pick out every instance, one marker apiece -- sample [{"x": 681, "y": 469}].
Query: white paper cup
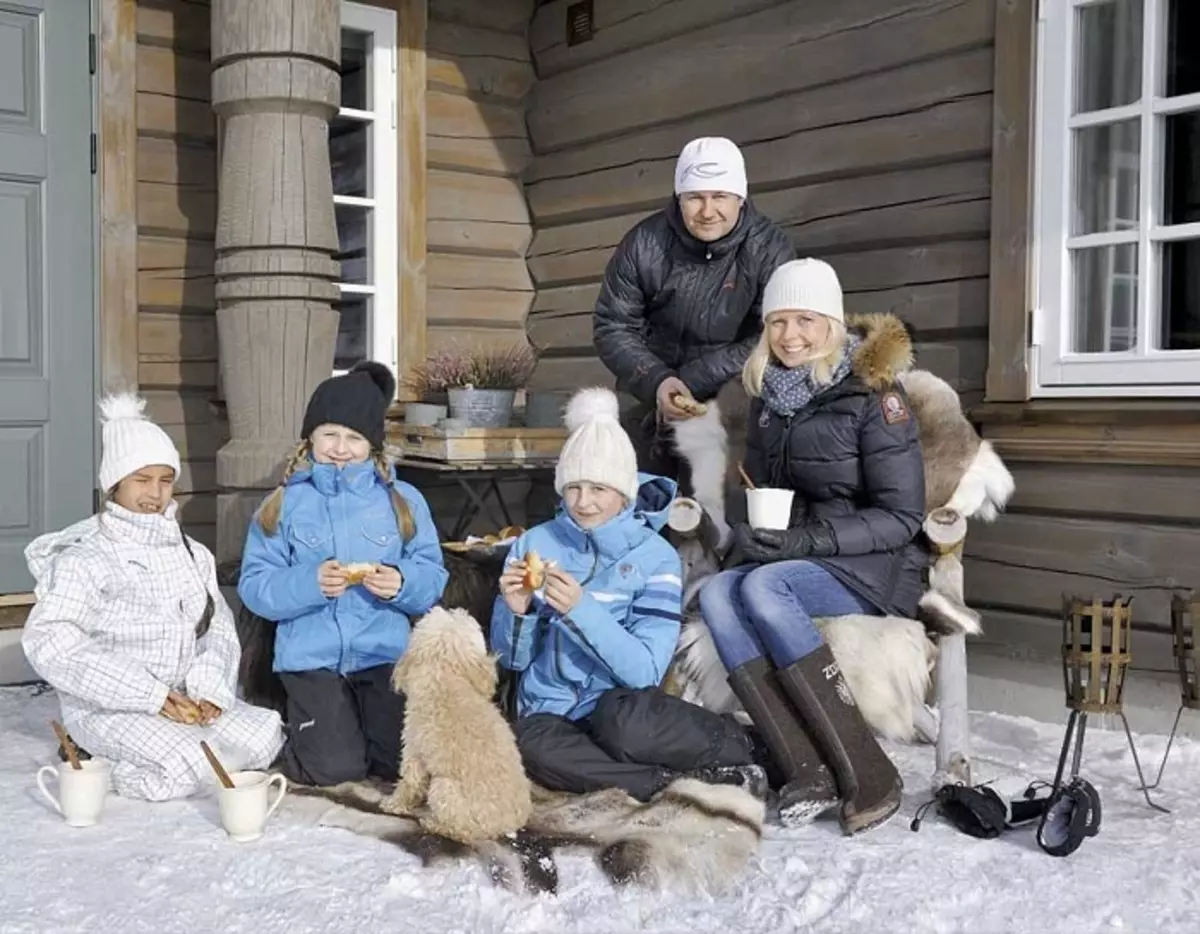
[
  {"x": 769, "y": 508},
  {"x": 81, "y": 792},
  {"x": 245, "y": 807}
]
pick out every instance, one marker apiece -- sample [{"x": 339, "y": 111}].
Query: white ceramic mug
[
  {"x": 81, "y": 792},
  {"x": 769, "y": 508},
  {"x": 245, "y": 808}
]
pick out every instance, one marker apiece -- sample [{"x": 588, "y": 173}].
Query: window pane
[
  {"x": 1181, "y": 295},
  {"x": 1105, "y": 299},
  {"x": 1108, "y": 56},
  {"x": 353, "y": 331},
  {"x": 1106, "y": 178},
  {"x": 354, "y": 236},
  {"x": 349, "y": 154},
  {"x": 1181, "y": 170},
  {"x": 355, "y": 56},
  {"x": 1183, "y": 52}
]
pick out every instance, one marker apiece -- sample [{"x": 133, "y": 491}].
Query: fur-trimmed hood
[{"x": 886, "y": 350}]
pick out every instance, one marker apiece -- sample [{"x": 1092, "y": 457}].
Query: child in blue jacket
[
  {"x": 338, "y": 637},
  {"x": 593, "y": 642}
]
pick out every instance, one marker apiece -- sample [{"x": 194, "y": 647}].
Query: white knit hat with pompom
[
  {"x": 131, "y": 441},
  {"x": 598, "y": 450}
]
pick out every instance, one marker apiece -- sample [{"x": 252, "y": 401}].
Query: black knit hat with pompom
[{"x": 358, "y": 399}]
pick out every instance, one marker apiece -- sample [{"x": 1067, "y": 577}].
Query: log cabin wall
[
  {"x": 176, "y": 213},
  {"x": 867, "y": 131},
  {"x": 479, "y": 73}
]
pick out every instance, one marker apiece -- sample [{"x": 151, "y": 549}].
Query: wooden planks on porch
[
  {"x": 867, "y": 135},
  {"x": 177, "y": 205},
  {"x": 479, "y": 72}
]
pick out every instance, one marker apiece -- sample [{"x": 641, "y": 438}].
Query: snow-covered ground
[{"x": 169, "y": 868}]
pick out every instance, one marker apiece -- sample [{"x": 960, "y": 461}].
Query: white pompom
[
  {"x": 590, "y": 404},
  {"x": 121, "y": 406}
]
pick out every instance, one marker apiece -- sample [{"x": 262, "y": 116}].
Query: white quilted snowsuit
[{"x": 119, "y": 597}]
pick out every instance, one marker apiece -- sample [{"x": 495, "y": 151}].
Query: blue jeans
[{"x": 768, "y": 610}]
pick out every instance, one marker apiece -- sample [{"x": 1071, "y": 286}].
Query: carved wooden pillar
[{"x": 275, "y": 85}]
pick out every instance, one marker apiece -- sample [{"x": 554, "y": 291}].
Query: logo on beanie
[{"x": 705, "y": 170}]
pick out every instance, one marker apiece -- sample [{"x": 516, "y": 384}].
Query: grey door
[{"x": 47, "y": 304}]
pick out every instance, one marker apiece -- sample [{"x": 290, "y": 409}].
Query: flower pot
[
  {"x": 545, "y": 409},
  {"x": 483, "y": 408},
  {"x": 423, "y": 415}
]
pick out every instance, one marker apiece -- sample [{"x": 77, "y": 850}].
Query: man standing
[{"x": 678, "y": 312}]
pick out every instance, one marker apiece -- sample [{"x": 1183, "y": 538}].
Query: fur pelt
[
  {"x": 690, "y": 836},
  {"x": 460, "y": 772}
]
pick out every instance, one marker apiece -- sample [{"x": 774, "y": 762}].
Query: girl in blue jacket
[
  {"x": 338, "y": 635},
  {"x": 593, "y": 642}
]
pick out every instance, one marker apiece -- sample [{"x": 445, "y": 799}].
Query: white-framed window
[
  {"x": 363, "y": 148},
  {"x": 1117, "y": 199}
]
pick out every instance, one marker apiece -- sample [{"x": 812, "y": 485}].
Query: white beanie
[
  {"x": 597, "y": 450},
  {"x": 804, "y": 285},
  {"x": 131, "y": 441},
  {"x": 711, "y": 163}
]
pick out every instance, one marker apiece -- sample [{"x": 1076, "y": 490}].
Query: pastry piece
[
  {"x": 357, "y": 573},
  {"x": 511, "y": 531},
  {"x": 688, "y": 404},
  {"x": 535, "y": 572}
]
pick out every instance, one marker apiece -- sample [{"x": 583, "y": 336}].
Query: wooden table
[{"x": 479, "y": 482}]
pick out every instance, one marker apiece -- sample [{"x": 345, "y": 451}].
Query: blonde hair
[
  {"x": 824, "y": 361},
  {"x": 268, "y": 513}
]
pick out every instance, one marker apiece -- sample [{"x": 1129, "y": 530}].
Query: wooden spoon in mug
[
  {"x": 746, "y": 477},
  {"x": 216, "y": 765},
  {"x": 67, "y": 744}
]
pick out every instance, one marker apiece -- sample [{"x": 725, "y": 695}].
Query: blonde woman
[
  {"x": 341, "y": 630},
  {"x": 830, "y": 422}
]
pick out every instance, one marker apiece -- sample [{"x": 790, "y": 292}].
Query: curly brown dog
[{"x": 459, "y": 756}]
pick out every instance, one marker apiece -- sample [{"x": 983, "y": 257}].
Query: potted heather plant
[
  {"x": 482, "y": 394},
  {"x": 429, "y": 382}
]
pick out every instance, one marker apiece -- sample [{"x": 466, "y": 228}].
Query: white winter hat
[
  {"x": 131, "y": 441},
  {"x": 597, "y": 450},
  {"x": 711, "y": 163},
  {"x": 804, "y": 285}
]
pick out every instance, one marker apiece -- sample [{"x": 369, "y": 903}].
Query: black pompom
[{"x": 380, "y": 375}]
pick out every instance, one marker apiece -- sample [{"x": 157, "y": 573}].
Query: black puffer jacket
[
  {"x": 672, "y": 305},
  {"x": 853, "y": 456}
]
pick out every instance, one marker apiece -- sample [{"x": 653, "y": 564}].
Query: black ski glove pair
[{"x": 762, "y": 546}]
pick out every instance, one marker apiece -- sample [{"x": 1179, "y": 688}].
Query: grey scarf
[{"x": 787, "y": 391}]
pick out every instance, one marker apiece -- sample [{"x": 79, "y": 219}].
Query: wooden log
[
  {"x": 180, "y": 408},
  {"x": 166, "y": 161},
  {"x": 511, "y": 16},
  {"x": 197, "y": 508},
  {"x": 185, "y": 375},
  {"x": 459, "y": 337},
  {"x": 1103, "y": 491},
  {"x": 454, "y": 306},
  {"x": 571, "y": 372},
  {"x": 176, "y": 24},
  {"x": 508, "y": 157},
  {"x": 176, "y": 289},
  {"x": 455, "y": 271},
  {"x": 890, "y": 269},
  {"x": 162, "y": 116},
  {"x": 464, "y": 196},
  {"x": 197, "y": 476},
  {"x": 174, "y": 209},
  {"x": 471, "y": 60},
  {"x": 174, "y": 74},
  {"x": 620, "y": 26},
  {"x": 164, "y": 337},
  {"x": 479, "y": 237},
  {"x": 846, "y": 215},
  {"x": 954, "y": 729},
  {"x": 763, "y": 55},
  {"x": 944, "y": 131},
  {"x": 460, "y": 117}
]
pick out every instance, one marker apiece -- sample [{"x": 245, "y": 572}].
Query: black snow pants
[
  {"x": 638, "y": 741},
  {"x": 341, "y": 728}
]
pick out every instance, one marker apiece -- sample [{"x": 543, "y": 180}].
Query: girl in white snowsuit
[{"x": 131, "y": 630}]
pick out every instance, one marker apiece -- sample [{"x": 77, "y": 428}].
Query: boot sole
[
  {"x": 875, "y": 816},
  {"x": 805, "y": 812}
]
